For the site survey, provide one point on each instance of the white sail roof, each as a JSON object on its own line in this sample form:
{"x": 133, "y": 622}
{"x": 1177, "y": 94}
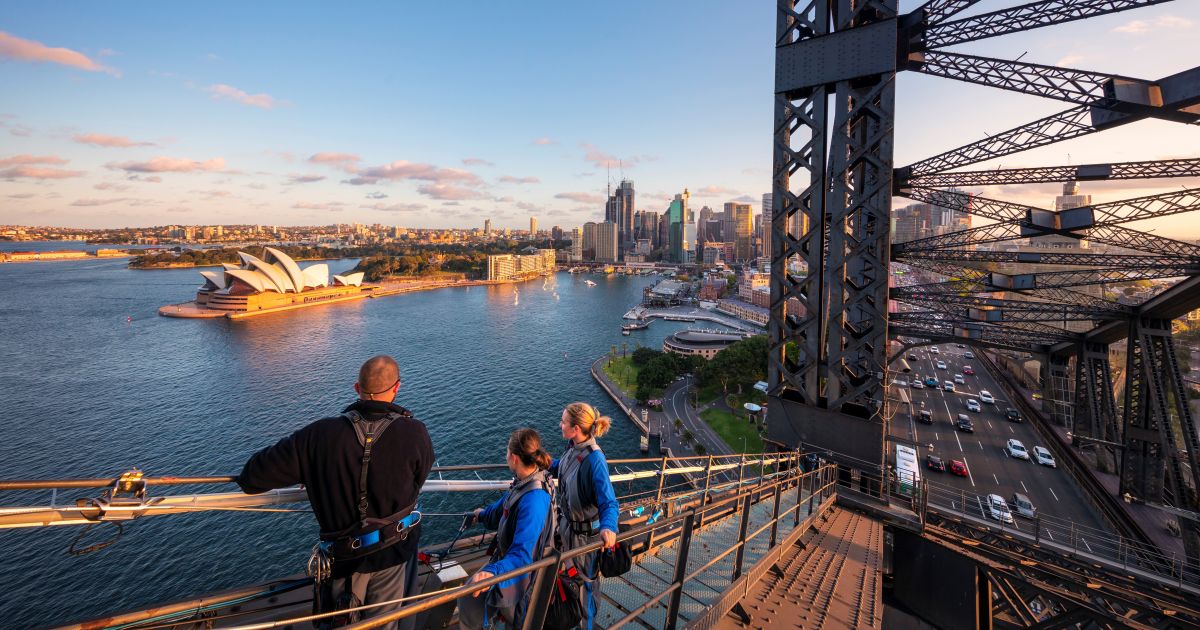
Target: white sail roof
{"x": 290, "y": 266}
{"x": 316, "y": 276}
{"x": 350, "y": 279}
{"x": 256, "y": 280}
{"x": 213, "y": 280}
{"x": 277, "y": 276}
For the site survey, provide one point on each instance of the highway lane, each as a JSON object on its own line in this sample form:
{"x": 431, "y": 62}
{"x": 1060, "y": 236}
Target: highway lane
{"x": 1052, "y": 491}
{"x": 676, "y": 405}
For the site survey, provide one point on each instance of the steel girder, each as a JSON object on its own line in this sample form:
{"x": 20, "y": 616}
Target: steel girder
{"x": 1054, "y": 257}
{"x": 1156, "y": 467}
{"x": 1045, "y": 174}
{"x": 1095, "y": 407}
{"x": 941, "y": 10}
{"x": 1023, "y": 18}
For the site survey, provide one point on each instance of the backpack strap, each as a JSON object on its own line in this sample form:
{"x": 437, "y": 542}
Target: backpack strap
{"x": 367, "y": 432}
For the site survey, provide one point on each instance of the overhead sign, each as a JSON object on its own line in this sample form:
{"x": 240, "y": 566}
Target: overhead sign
{"x": 908, "y": 473}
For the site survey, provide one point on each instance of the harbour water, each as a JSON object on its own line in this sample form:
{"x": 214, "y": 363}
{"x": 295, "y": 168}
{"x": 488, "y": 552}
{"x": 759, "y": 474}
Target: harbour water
{"x": 93, "y": 382}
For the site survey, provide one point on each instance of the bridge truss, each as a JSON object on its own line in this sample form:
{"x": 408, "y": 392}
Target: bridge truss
{"x": 834, "y": 312}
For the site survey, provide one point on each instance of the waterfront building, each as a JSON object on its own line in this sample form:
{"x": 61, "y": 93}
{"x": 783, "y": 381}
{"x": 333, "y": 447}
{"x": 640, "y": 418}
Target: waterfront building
{"x": 744, "y": 311}
{"x": 649, "y": 228}
{"x": 273, "y": 281}
{"x": 699, "y": 343}
{"x": 664, "y": 293}
{"x": 503, "y": 267}
{"x": 619, "y": 210}
{"x": 607, "y": 242}
{"x": 750, "y": 281}
{"x": 577, "y": 244}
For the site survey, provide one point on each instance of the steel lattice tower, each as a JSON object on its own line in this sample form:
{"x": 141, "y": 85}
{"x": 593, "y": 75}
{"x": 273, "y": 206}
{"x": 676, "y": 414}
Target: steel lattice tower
{"x": 833, "y": 174}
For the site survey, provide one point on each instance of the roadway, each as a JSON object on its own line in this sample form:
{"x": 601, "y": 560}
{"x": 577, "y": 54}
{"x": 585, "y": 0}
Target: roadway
{"x": 991, "y": 471}
{"x": 677, "y": 404}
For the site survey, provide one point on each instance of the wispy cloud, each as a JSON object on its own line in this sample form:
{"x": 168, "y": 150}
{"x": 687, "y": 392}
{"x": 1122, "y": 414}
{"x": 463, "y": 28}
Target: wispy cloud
{"x": 168, "y": 165}
{"x": 297, "y": 178}
{"x": 1069, "y": 60}
{"x": 395, "y": 207}
{"x": 37, "y": 172}
{"x": 22, "y": 196}
{"x": 338, "y": 159}
{"x": 603, "y": 159}
{"x": 99, "y": 202}
{"x": 377, "y": 195}
{"x": 405, "y": 170}
{"x": 328, "y": 205}
{"x": 714, "y": 191}
{"x": 221, "y": 91}
{"x": 111, "y": 186}
{"x": 103, "y": 140}
{"x": 544, "y": 141}
{"x": 509, "y": 179}
{"x": 1141, "y": 27}
{"x": 580, "y": 197}
{"x": 474, "y": 161}
{"x": 16, "y": 48}
{"x": 32, "y": 159}
{"x": 449, "y": 191}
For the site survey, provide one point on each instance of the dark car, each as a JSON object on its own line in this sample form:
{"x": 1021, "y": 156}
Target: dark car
{"x": 958, "y": 468}
{"x": 912, "y": 357}
{"x": 925, "y": 416}
{"x": 932, "y": 381}
{"x": 933, "y": 462}
{"x": 964, "y": 424}
{"x": 1012, "y": 415}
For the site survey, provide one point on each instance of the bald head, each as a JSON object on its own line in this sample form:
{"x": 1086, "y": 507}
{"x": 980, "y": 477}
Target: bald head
{"x": 377, "y": 378}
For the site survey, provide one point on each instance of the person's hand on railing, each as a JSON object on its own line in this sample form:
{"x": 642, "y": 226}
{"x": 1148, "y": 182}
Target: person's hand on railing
{"x": 475, "y": 515}
{"x": 609, "y": 538}
{"x": 479, "y": 577}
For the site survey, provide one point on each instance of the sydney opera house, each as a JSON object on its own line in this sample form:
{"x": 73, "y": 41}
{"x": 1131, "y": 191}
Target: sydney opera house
{"x": 272, "y": 282}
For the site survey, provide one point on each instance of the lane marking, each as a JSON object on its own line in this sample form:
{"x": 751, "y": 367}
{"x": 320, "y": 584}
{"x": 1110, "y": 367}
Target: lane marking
{"x": 1049, "y": 534}
{"x": 1024, "y": 488}
{"x": 1010, "y": 430}
{"x": 1052, "y": 492}
{"x": 960, "y": 448}
{"x": 969, "y": 476}
{"x": 996, "y": 478}
{"x": 981, "y": 448}
{"x": 1089, "y": 547}
{"x": 936, "y": 436}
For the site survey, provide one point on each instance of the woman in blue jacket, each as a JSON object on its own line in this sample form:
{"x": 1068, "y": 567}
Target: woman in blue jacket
{"x": 521, "y": 519}
{"x": 587, "y": 504}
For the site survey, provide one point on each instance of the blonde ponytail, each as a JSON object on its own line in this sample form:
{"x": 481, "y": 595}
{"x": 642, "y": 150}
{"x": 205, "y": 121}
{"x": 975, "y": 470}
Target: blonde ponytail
{"x": 588, "y": 419}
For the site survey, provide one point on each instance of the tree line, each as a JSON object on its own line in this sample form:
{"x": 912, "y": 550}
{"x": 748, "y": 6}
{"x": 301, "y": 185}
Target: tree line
{"x": 735, "y": 368}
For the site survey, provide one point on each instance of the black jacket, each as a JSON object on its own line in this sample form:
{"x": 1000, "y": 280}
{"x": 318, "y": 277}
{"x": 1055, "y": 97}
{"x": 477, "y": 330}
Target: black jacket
{"x": 326, "y": 457}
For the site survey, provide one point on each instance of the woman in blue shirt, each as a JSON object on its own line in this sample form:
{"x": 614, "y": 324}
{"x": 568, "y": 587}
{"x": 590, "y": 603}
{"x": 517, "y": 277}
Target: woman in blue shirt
{"x": 521, "y": 519}
{"x": 587, "y": 504}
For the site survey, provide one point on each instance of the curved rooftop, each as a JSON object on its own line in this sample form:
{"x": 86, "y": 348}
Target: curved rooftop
{"x": 274, "y": 272}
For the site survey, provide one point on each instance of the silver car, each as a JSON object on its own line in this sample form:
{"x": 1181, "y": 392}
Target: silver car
{"x": 1023, "y": 506}
{"x": 998, "y": 509}
{"x": 973, "y": 405}
{"x": 1043, "y": 457}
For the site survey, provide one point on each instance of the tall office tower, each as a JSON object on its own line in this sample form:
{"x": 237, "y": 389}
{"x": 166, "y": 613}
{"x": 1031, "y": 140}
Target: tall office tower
{"x": 679, "y": 216}
{"x": 713, "y": 232}
{"x": 764, "y": 224}
{"x": 577, "y": 244}
{"x": 487, "y": 228}
{"x": 702, "y": 224}
{"x": 743, "y": 228}
{"x": 908, "y": 223}
{"x": 607, "y": 240}
{"x": 619, "y": 209}
{"x": 556, "y": 233}
{"x": 650, "y": 227}
{"x": 637, "y": 225}
{"x": 533, "y": 226}
{"x": 664, "y": 234}
{"x": 589, "y": 241}
{"x": 1070, "y": 198}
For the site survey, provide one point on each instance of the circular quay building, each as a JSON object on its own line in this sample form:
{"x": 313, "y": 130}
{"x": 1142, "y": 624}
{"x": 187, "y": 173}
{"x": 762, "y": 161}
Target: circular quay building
{"x": 699, "y": 342}
{"x": 262, "y": 285}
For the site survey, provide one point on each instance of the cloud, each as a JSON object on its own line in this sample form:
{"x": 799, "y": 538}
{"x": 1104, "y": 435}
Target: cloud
{"x": 221, "y": 91}
{"x": 21, "y": 131}
{"x": 1141, "y": 27}
{"x": 474, "y": 161}
{"x": 168, "y": 165}
{"x": 102, "y": 140}
{"x": 509, "y": 179}
{"x": 504, "y": 200}
{"x": 747, "y": 199}
{"x": 32, "y": 159}
{"x": 340, "y": 160}
{"x": 403, "y": 170}
{"x": 328, "y": 205}
{"x": 152, "y": 179}
{"x": 37, "y": 172}
{"x": 13, "y": 47}
{"x": 580, "y": 197}
{"x": 449, "y": 192}
{"x": 99, "y": 202}
{"x": 111, "y": 186}
{"x": 395, "y": 207}
{"x": 544, "y": 141}
{"x": 525, "y": 205}
{"x": 1069, "y": 60}
{"x": 212, "y": 194}
{"x": 257, "y": 186}
{"x": 296, "y": 178}
{"x": 714, "y": 191}
{"x": 377, "y": 195}
{"x": 22, "y": 196}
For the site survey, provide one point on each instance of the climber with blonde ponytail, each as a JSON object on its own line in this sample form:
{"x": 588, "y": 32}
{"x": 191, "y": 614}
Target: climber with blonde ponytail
{"x": 523, "y": 527}
{"x": 587, "y": 504}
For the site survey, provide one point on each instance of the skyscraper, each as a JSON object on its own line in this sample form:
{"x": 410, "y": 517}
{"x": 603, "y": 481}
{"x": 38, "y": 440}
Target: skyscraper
{"x": 577, "y": 244}
{"x": 619, "y": 210}
{"x": 768, "y": 209}
{"x": 682, "y": 229}
{"x": 607, "y": 240}
{"x": 650, "y": 228}
{"x": 589, "y": 241}
{"x": 743, "y": 228}
{"x": 487, "y": 228}
{"x": 533, "y": 226}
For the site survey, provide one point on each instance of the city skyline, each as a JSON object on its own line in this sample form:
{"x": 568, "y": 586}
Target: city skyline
{"x": 182, "y": 117}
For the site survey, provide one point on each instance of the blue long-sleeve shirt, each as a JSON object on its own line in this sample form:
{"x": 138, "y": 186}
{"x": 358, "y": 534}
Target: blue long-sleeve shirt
{"x": 596, "y": 467}
{"x": 531, "y": 516}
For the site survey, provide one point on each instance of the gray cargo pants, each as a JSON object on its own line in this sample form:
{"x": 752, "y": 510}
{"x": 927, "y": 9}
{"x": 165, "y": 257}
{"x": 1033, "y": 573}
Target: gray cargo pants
{"x": 369, "y": 588}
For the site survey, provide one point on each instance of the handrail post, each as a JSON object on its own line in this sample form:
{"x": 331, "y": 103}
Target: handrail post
{"x": 741, "y": 470}
{"x": 707, "y": 485}
{"x": 539, "y": 597}
{"x": 775, "y": 515}
{"x": 745, "y": 527}
{"x": 681, "y": 560}
{"x": 762, "y": 468}
{"x": 799, "y": 497}
{"x": 662, "y": 476}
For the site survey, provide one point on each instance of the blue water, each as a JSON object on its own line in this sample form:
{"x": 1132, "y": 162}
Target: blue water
{"x": 85, "y": 392}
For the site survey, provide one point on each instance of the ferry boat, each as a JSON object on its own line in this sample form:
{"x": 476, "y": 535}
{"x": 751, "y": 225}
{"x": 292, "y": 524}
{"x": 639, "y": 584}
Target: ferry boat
{"x": 589, "y": 283}
{"x": 640, "y": 324}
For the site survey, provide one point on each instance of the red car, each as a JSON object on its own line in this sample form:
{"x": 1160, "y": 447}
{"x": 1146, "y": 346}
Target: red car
{"x": 968, "y": 369}
{"x": 958, "y": 468}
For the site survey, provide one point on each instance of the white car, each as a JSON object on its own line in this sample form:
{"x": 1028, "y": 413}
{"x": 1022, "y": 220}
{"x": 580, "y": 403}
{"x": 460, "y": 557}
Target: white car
{"x": 973, "y": 405}
{"x": 1016, "y": 450}
{"x": 917, "y": 384}
{"x": 969, "y": 355}
{"x": 1043, "y": 457}
{"x": 986, "y": 397}
{"x": 941, "y": 365}
{"x": 958, "y": 379}
{"x": 998, "y": 509}
{"x": 933, "y": 349}
{"x": 948, "y": 386}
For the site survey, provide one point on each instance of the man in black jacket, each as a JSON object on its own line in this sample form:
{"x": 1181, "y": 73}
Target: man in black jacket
{"x": 365, "y": 524}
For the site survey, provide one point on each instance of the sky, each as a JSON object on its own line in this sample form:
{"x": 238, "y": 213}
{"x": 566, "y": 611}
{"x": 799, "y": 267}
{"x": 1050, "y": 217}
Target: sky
{"x": 437, "y": 114}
